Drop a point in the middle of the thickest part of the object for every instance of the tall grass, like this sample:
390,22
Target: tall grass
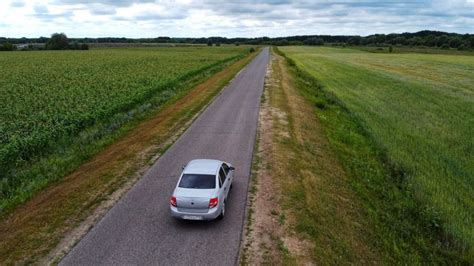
418,110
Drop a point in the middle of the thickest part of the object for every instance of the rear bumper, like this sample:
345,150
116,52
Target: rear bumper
211,214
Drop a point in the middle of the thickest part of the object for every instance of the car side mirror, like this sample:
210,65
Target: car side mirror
232,168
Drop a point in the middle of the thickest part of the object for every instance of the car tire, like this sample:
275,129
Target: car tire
221,216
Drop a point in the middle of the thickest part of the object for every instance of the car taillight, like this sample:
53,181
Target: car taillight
173,201
213,202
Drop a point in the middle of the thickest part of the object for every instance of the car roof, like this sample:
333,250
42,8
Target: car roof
203,166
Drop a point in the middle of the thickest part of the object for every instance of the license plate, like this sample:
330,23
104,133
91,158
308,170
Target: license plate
192,217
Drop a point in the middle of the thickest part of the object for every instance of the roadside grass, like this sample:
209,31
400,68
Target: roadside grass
246,241
262,243
401,125
36,227
325,222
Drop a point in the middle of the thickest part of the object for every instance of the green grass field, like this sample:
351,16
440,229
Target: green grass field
61,102
418,111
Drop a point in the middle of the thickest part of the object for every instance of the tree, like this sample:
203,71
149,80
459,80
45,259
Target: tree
74,46
58,41
355,40
7,47
379,38
281,42
415,41
42,40
314,41
431,40
465,45
443,41
455,42
399,40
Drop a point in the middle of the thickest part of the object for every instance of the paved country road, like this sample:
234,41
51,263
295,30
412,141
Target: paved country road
139,229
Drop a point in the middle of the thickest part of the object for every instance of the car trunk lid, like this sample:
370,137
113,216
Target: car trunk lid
193,198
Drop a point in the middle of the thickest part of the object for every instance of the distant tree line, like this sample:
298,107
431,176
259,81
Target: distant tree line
57,41
424,38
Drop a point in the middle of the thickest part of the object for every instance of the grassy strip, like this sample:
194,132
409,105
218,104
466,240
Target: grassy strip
403,230
262,241
252,193
37,226
324,219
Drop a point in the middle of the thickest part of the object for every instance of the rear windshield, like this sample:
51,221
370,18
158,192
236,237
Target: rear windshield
198,181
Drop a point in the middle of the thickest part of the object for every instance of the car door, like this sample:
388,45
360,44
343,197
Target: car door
229,174
223,180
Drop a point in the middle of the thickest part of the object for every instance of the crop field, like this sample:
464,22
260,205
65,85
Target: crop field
51,99
418,110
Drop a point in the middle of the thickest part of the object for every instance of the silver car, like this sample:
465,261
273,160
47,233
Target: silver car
202,190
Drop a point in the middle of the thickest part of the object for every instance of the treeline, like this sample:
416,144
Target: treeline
58,41
423,38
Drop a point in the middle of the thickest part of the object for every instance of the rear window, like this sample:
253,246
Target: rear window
197,181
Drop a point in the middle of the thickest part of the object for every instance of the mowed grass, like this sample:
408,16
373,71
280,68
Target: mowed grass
418,110
58,104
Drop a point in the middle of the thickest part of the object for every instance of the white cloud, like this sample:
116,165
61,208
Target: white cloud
231,18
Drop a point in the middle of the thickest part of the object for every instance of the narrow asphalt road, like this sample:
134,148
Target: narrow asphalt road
139,230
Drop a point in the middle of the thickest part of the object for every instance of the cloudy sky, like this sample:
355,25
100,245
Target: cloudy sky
245,18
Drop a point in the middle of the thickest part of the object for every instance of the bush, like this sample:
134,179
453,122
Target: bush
84,46
218,44
321,104
252,49
464,46
58,41
390,49
7,47
209,43
74,46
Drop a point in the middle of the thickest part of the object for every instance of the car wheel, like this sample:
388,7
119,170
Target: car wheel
221,216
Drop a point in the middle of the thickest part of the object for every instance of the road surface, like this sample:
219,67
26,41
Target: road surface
139,229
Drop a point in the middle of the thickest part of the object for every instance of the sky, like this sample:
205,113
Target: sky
244,18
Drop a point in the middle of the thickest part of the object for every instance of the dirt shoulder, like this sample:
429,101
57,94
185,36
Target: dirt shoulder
47,226
302,209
